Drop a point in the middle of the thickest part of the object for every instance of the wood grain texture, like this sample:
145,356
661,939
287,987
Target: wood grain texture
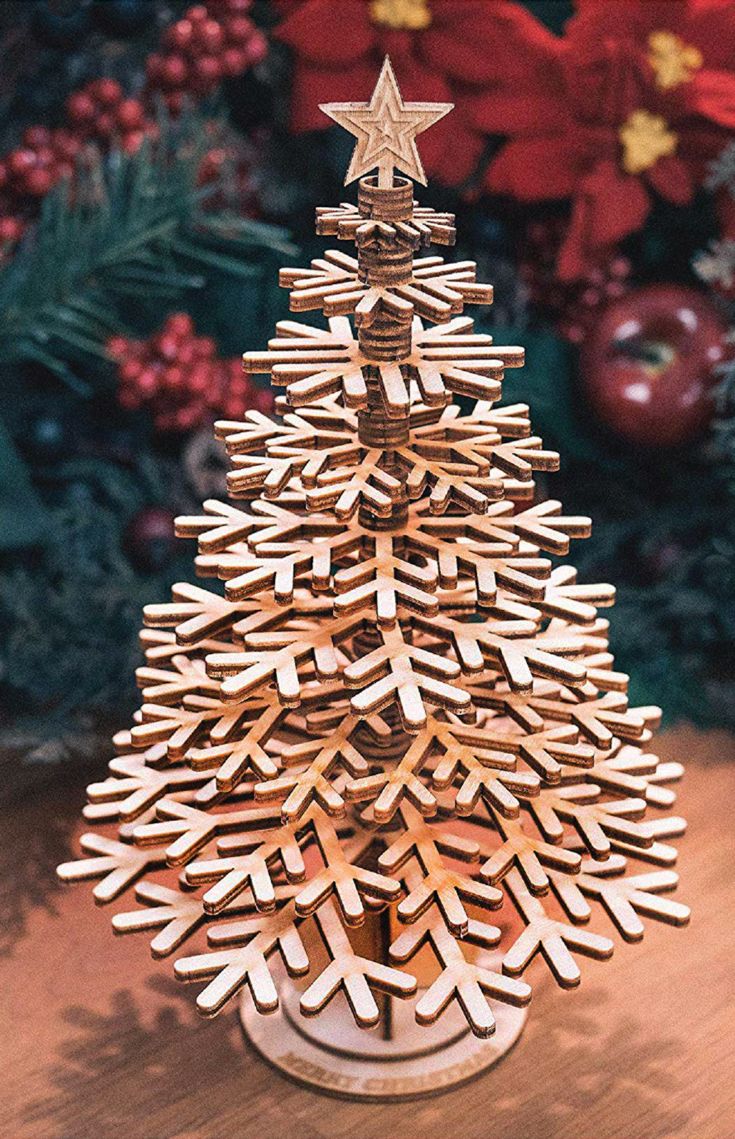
399,699
94,1042
385,129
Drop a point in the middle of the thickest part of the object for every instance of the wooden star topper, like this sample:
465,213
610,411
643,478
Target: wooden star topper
386,130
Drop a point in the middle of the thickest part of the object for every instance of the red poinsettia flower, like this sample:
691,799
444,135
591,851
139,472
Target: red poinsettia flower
629,101
441,51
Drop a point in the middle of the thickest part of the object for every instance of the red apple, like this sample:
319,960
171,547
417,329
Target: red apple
648,364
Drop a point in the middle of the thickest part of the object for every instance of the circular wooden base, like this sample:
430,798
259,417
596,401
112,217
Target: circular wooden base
330,1054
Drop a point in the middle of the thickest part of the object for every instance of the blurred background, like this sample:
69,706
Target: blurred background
159,161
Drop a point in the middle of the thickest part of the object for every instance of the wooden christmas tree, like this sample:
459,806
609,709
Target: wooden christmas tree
397,702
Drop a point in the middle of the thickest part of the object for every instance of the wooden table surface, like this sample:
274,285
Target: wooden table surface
98,1041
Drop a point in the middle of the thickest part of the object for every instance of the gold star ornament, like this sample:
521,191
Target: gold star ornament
386,129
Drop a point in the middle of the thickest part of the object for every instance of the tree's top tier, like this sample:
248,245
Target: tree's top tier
386,130
375,362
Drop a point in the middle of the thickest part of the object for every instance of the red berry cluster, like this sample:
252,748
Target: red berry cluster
180,378
30,171
100,111
97,113
573,306
227,169
210,43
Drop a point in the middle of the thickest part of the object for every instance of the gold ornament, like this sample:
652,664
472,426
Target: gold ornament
386,130
673,61
645,138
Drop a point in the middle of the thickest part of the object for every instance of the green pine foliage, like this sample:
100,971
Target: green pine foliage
132,238
663,532
129,233
70,607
